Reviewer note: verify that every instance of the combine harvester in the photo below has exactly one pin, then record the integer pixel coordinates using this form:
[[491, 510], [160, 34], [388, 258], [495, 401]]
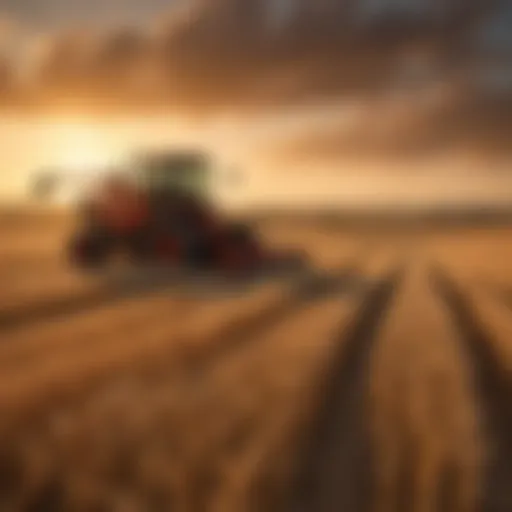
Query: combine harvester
[[158, 211]]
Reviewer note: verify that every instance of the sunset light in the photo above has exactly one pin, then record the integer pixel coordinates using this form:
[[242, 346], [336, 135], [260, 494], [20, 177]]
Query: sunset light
[[81, 149], [256, 255]]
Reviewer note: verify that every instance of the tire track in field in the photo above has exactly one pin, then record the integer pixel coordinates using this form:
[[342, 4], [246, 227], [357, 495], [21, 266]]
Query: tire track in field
[[493, 308], [501, 292], [335, 474], [66, 377], [425, 429], [494, 392]]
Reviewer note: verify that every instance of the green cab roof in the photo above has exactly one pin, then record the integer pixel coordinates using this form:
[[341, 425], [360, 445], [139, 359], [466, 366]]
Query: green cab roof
[[173, 160]]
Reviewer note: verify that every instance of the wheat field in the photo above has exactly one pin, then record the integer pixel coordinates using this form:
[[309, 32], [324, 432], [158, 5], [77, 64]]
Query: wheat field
[[378, 382]]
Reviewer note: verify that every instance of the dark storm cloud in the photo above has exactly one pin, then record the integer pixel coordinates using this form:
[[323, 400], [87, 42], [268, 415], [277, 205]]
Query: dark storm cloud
[[240, 56]]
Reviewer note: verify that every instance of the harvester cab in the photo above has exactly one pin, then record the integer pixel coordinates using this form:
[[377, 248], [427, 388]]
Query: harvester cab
[[187, 173]]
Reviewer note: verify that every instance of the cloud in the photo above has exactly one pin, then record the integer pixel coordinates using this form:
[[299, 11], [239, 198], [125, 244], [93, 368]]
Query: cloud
[[222, 57], [453, 122], [223, 54], [228, 58]]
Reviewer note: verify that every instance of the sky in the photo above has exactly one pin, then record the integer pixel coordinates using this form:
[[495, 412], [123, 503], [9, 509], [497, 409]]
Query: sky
[[366, 90]]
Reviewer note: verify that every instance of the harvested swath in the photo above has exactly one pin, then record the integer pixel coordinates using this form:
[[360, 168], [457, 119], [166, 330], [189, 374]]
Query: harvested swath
[[206, 339], [89, 328], [470, 253], [15, 268], [323, 247], [493, 315], [335, 469], [83, 296], [241, 328], [34, 293], [288, 404], [493, 386], [64, 374], [24, 242], [425, 425], [222, 444], [206, 416]]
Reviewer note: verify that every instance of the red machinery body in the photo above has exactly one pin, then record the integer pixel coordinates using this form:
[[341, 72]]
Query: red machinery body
[[121, 207], [174, 228]]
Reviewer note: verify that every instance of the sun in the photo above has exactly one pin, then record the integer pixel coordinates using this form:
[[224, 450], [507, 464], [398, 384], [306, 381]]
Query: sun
[[81, 149], [82, 158]]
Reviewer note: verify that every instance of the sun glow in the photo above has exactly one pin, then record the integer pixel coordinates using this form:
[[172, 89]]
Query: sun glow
[[81, 149], [80, 152]]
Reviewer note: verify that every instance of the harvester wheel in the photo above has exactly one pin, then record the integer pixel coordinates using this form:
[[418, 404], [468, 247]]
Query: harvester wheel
[[168, 249], [139, 248], [240, 251], [89, 250], [240, 234], [198, 253]]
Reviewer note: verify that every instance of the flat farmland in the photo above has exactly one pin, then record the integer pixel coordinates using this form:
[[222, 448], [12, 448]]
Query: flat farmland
[[377, 380]]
